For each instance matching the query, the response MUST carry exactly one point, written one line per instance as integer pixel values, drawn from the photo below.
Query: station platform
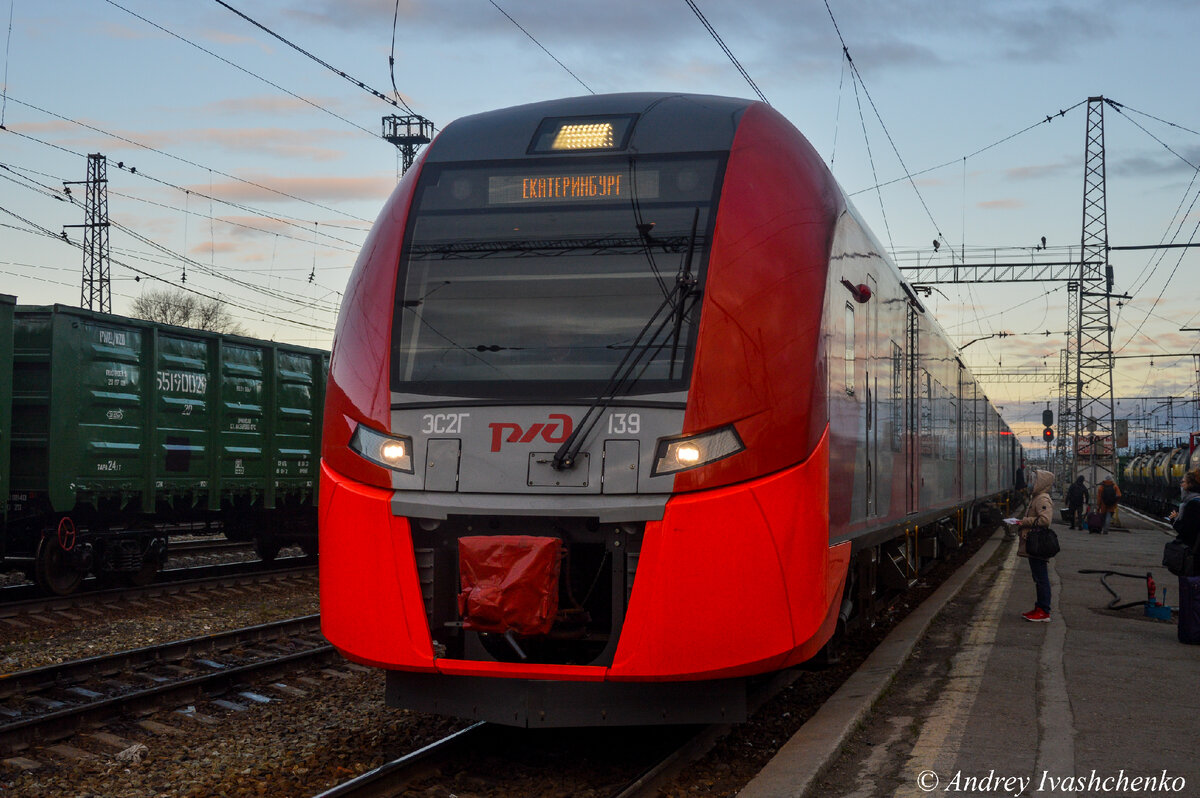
(966, 697)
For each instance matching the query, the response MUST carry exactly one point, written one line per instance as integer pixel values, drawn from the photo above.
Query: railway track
(20, 600)
(193, 547)
(384, 780)
(52, 702)
(472, 750)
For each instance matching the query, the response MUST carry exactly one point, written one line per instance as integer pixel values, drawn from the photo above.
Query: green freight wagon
(125, 429)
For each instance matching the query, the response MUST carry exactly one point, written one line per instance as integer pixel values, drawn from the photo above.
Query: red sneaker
(1037, 615)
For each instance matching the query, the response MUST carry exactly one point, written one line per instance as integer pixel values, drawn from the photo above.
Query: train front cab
(694, 624)
(709, 576)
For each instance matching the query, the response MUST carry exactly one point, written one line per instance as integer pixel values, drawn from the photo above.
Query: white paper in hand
(1012, 520)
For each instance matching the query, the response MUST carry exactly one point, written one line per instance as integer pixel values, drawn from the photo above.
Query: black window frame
(532, 391)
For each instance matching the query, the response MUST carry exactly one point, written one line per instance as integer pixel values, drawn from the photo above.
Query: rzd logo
(557, 431)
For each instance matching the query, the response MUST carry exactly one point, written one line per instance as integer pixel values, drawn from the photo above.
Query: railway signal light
(1047, 434)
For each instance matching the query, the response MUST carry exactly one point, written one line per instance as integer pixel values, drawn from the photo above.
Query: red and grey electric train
(627, 407)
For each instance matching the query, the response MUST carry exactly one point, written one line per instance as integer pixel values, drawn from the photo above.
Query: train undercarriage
(598, 564)
(59, 551)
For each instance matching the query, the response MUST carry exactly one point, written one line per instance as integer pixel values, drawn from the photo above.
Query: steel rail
(16, 733)
(384, 780)
(25, 599)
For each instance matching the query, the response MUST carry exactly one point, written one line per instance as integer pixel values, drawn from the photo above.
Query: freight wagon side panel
(181, 461)
(30, 448)
(296, 422)
(98, 409)
(242, 433)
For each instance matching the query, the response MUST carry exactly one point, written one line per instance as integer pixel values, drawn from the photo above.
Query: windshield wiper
(678, 301)
(680, 309)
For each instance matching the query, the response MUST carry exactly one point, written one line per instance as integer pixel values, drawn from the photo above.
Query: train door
(912, 425)
(871, 325)
(971, 438)
(960, 421)
(987, 449)
(862, 477)
(896, 422)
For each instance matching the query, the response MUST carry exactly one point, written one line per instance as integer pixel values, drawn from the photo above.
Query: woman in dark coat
(1186, 520)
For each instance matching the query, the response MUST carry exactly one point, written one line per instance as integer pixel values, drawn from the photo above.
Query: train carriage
(1150, 481)
(124, 430)
(627, 407)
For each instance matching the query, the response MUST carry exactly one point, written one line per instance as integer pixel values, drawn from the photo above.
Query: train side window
(849, 349)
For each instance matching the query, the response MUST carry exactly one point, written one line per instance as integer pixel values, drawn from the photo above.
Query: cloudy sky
(255, 171)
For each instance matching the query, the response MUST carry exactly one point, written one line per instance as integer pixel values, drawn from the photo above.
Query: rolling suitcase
(1189, 609)
(1095, 522)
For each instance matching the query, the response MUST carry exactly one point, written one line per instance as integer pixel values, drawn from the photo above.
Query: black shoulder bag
(1178, 557)
(1041, 542)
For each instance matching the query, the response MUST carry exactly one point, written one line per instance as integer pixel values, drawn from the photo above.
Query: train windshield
(535, 279)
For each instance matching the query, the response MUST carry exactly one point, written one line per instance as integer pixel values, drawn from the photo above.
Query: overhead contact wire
(539, 44)
(720, 43)
(270, 83)
(293, 222)
(373, 92)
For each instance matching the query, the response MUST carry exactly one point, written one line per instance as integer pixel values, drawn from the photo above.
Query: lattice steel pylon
(96, 292)
(1064, 464)
(1086, 416)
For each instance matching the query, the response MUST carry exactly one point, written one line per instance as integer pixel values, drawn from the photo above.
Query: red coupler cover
(509, 582)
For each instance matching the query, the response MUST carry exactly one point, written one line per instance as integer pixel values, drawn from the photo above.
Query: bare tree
(173, 306)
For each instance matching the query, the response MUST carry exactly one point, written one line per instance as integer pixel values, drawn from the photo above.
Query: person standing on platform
(1077, 499)
(1039, 513)
(1186, 522)
(1106, 496)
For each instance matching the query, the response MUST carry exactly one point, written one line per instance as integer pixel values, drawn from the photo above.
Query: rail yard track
(52, 702)
(24, 600)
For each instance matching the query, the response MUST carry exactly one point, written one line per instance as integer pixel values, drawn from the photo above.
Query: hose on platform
(1113, 605)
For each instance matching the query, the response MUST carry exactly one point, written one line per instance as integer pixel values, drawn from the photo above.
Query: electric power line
(142, 273)
(272, 84)
(720, 43)
(134, 170)
(539, 44)
(65, 196)
(168, 155)
(1045, 121)
(373, 92)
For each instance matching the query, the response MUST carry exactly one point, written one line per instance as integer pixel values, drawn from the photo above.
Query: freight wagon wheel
(55, 569)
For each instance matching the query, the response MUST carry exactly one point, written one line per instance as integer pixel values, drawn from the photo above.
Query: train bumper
(732, 582)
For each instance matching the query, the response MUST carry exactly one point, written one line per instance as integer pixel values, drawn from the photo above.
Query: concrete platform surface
(965, 697)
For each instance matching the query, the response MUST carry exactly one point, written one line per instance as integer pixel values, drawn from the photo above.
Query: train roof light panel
(584, 137)
(587, 134)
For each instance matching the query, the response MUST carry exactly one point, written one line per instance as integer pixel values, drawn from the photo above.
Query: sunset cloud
(324, 189)
(1001, 204)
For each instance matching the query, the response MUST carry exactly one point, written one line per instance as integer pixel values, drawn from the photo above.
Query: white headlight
(393, 451)
(680, 454)
(389, 451)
